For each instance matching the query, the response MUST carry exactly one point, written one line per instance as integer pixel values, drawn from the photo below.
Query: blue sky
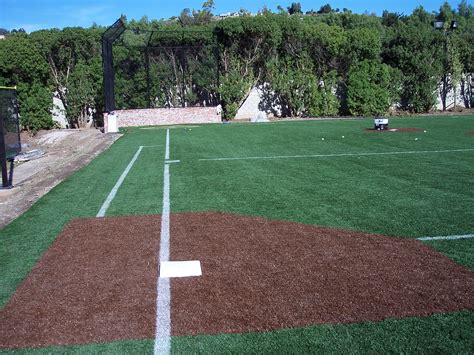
(39, 14)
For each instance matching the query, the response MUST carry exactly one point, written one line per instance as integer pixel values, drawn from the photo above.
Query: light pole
(439, 25)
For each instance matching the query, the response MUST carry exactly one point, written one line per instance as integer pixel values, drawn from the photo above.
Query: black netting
(108, 38)
(159, 68)
(9, 122)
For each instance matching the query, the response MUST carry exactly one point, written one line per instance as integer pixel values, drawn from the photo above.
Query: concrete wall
(58, 114)
(458, 100)
(251, 106)
(167, 116)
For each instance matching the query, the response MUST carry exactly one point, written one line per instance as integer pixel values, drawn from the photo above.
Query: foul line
(119, 182)
(167, 151)
(448, 237)
(341, 154)
(163, 306)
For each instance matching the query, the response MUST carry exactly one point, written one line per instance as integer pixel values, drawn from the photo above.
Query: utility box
(380, 123)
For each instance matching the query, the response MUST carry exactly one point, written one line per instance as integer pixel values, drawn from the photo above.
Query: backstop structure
(160, 76)
(10, 144)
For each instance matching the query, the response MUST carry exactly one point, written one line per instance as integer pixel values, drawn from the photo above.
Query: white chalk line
(171, 161)
(341, 154)
(163, 299)
(119, 182)
(167, 152)
(447, 237)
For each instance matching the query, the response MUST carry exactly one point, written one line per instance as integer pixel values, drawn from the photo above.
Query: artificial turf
(438, 334)
(408, 195)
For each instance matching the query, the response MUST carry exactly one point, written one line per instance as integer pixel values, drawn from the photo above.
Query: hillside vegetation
(319, 63)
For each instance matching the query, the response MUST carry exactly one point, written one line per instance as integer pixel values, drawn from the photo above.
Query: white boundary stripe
(119, 182)
(165, 216)
(171, 161)
(167, 152)
(163, 298)
(448, 237)
(343, 154)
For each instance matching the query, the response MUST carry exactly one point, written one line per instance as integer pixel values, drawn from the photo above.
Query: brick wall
(166, 116)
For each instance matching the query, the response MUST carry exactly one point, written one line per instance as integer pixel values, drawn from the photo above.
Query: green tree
(370, 88)
(294, 8)
(465, 10)
(325, 9)
(22, 65)
(63, 50)
(415, 49)
(84, 87)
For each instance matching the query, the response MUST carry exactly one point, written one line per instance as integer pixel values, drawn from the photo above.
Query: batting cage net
(10, 144)
(159, 68)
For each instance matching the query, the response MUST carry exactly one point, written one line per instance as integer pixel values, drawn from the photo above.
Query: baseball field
(283, 237)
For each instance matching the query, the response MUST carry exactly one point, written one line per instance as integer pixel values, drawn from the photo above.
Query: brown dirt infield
(470, 132)
(396, 130)
(96, 283)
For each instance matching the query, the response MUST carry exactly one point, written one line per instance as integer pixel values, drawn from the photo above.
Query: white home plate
(180, 268)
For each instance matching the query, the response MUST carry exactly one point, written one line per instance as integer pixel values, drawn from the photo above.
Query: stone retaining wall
(167, 116)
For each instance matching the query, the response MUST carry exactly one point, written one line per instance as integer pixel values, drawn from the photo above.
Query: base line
(163, 298)
(119, 182)
(448, 237)
(341, 154)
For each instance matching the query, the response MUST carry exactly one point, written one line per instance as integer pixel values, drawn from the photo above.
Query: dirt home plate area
(97, 281)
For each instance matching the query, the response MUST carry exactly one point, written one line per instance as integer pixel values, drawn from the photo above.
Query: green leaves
(369, 88)
(22, 65)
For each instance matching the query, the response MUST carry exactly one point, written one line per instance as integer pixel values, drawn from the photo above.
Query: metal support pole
(148, 78)
(107, 58)
(3, 158)
(445, 69)
(218, 70)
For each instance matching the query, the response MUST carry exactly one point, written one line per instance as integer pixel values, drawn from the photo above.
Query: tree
(325, 9)
(446, 13)
(415, 49)
(454, 68)
(421, 15)
(370, 90)
(294, 8)
(204, 15)
(22, 65)
(85, 86)
(390, 19)
(185, 18)
(465, 10)
(63, 50)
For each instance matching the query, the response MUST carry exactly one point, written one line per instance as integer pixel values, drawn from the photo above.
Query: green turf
(405, 195)
(461, 250)
(116, 347)
(438, 334)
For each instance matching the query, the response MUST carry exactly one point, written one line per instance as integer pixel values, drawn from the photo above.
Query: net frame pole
(108, 38)
(7, 177)
(3, 158)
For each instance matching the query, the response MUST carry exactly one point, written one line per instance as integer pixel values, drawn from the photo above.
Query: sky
(33, 15)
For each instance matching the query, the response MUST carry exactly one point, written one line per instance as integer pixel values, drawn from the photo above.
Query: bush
(370, 89)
